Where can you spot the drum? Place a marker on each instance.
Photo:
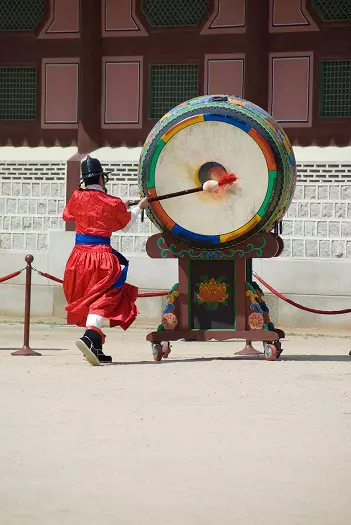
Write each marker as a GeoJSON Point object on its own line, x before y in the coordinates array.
{"type": "Point", "coordinates": [203, 139]}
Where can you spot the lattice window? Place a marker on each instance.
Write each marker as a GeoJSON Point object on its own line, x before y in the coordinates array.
{"type": "Point", "coordinates": [17, 93]}
{"type": "Point", "coordinates": [333, 10]}
{"type": "Point", "coordinates": [335, 88]}
{"type": "Point", "coordinates": [20, 15]}
{"type": "Point", "coordinates": [174, 12]}
{"type": "Point", "coordinates": [170, 85]}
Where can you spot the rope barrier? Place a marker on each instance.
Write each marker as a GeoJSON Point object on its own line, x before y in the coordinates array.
{"type": "Point", "coordinates": [10, 276]}
{"type": "Point", "coordinates": [297, 305]}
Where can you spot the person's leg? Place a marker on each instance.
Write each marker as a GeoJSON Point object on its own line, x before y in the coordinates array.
{"type": "Point", "coordinates": [90, 344]}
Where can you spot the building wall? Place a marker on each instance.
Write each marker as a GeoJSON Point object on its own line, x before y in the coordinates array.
{"type": "Point", "coordinates": [93, 62]}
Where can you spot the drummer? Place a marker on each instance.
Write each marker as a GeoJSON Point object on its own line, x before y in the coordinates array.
{"type": "Point", "coordinates": [94, 281]}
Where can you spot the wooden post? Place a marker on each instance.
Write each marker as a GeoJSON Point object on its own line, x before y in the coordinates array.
{"type": "Point", "coordinates": [26, 349]}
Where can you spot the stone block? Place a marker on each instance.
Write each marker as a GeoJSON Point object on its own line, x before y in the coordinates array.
{"type": "Point", "coordinates": [5, 241]}
{"type": "Point", "coordinates": [23, 206]}
{"type": "Point", "coordinates": [323, 192]}
{"type": "Point", "coordinates": [11, 206]}
{"type": "Point", "coordinates": [340, 210]}
{"type": "Point", "coordinates": [61, 206]}
{"type": "Point", "coordinates": [298, 228]}
{"type": "Point", "coordinates": [334, 192]}
{"type": "Point", "coordinates": [140, 244]}
{"type": "Point", "coordinates": [310, 228]}
{"type": "Point", "coordinates": [298, 193]}
{"type": "Point", "coordinates": [334, 229]}
{"type": "Point", "coordinates": [2, 206]}
{"type": "Point", "coordinates": [349, 210]}
{"type": "Point", "coordinates": [42, 242]}
{"type": "Point", "coordinates": [16, 223]}
{"type": "Point", "coordinates": [292, 211]}
{"type": "Point", "coordinates": [18, 241]}
{"type": "Point", "coordinates": [311, 248]}
{"type": "Point", "coordinates": [37, 223]}
{"type": "Point", "coordinates": [6, 223]}
{"type": "Point", "coordinates": [310, 192]}
{"type": "Point", "coordinates": [322, 228]}
{"type": "Point", "coordinates": [288, 227]}
{"type": "Point", "coordinates": [346, 193]}
{"type": "Point", "coordinates": [31, 242]}
{"type": "Point", "coordinates": [338, 249]}
{"type": "Point", "coordinates": [27, 223]}
{"type": "Point", "coordinates": [133, 190]}
{"type": "Point", "coordinates": [6, 188]}
{"type": "Point", "coordinates": [42, 206]}
{"type": "Point", "coordinates": [26, 189]}
{"type": "Point", "coordinates": [327, 209]}
{"type": "Point", "coordinates": [52, 206]}
{"type": "Point", "coordinates": [287, 248]}
{"type": "Point", "coordinates": [324, 249]}
{"type": "Point", "coordinates": [127, 244]}
{"type": "Point", "coordinates": [55, 190]}
{"type": "Point", "coordinates": [45, 189]}
{"type": "Point", "coordinates": [303, 209]}
{"type": "Point", "coordinates": [32, 206]}
{"type": "Point", "coordinates": [346, 229]}
{"type": "Point", "coordinates": [16, 188]}
{"type": "Point", "coordinates": [348, 249]}
{"type": "Point", "coordinates": [123, 190]}
{"type": "Point", "coordinates": [298, 248]}
{"type": "Point", "coordinates": [315, 211]}
{"type": "Point", "coordinates": [35, 189]}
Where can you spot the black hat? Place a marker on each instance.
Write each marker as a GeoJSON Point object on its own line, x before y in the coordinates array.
{"type": "Point", "coordinates": [92, 168]}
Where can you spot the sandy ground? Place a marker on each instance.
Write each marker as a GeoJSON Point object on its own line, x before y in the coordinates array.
{"type": "Point", "coordinates": [203, 438]}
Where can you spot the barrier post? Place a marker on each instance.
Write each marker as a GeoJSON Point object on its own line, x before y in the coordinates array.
{"type": "Point", "coordinates": [26, 349]}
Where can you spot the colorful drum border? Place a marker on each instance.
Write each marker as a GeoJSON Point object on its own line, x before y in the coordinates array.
{"type": "Point", "coordinates": [178, 230]}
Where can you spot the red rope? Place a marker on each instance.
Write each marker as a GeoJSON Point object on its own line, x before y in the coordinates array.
{"type": "Point", "coordinates": [300, 306]}
{"type": "Point", "coordinates": [9, 276]}
{"type": "Point", "coordinates": [52, 277]}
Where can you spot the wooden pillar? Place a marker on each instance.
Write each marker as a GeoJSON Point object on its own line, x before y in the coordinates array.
{"type": "Point", "coordinates": [90, 77]}
{"type": "Point", "coordinates": [256, 54]}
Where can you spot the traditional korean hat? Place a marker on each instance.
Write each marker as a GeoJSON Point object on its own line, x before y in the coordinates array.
{"type": "Point", "coordinates": [92, 168]}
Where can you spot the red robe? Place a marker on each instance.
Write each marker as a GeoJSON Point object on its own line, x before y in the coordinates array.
{"type": "Point", "coordinates": [91, 270]}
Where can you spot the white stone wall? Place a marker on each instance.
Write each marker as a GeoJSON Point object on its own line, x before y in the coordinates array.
{"type": "Point", "coordinates": [32, 198]}
{"type": "Point", "coordinates": [318, 222]}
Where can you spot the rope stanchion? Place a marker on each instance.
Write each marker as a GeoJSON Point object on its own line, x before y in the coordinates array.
{"type": "Point", "coordinates": [26, 349]}
{"type": "Point", "coordinates": [297, 305]}
{"type": "Point", "coordinates": [48, 276]}
{"type": "Point", "coordinates": [10, 276]}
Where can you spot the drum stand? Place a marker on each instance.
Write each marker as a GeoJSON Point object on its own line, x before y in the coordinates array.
{"type": "Point", "coordinates": [214, 298]}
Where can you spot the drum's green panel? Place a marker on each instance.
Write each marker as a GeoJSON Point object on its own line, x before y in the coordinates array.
{"type": "Point", "coordinates": [261, 129]}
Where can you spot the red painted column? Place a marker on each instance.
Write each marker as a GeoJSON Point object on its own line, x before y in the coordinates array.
{"type": "Point", "coordinates": [90, 76]}
{"type": "Point", "coordinates": [256, 52]}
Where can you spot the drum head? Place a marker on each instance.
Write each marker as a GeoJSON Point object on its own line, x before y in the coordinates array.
{"type": "Point", "coordinates": [202, 140]}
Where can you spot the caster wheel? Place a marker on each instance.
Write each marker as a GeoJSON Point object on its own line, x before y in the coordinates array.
{"type": "Point", "coordinates": [270, 352]}
{"type": "Point", "coordinates": [166, 349]}
{"type": "Point", "coordinates": [157, 351]}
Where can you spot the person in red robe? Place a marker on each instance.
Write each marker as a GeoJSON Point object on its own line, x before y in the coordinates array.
{"type": "Point", "coordinates": [94, 280]}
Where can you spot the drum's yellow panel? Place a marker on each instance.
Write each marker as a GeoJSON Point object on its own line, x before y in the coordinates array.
{"type": "Point", "coordinates": [231, 207]}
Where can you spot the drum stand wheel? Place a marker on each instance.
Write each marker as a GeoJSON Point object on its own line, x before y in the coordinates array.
{"type": "Point", "coordinates": [161, 350]}
{"type": "Point", "coordinates": [272, 351]}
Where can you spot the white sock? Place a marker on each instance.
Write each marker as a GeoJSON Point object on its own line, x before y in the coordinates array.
{"type": "Point", "coordinates": [95, 320]}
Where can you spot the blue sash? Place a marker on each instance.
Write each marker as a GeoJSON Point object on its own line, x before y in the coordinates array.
{"type": "Point", "coordinates": [96, 240]}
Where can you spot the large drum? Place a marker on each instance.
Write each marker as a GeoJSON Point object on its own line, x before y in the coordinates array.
{"type": "Point", "coordinates": [203, 139]}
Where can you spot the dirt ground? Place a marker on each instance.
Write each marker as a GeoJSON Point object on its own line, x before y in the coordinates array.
{"type": "Point", "coordinates": [204, 438]}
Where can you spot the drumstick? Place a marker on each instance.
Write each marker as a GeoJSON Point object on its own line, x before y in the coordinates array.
{"type": "Point", "coordinates": [210, 186]}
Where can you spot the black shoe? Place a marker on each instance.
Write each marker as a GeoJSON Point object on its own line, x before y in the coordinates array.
{"type": "Point", "coordinates": [86, 346]}
{"type": "Point", "coordinates": [103, 358]}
